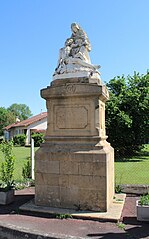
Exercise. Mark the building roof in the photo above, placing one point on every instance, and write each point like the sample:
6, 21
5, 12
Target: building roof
28, 121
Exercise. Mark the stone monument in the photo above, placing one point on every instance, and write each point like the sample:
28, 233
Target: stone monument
75, 165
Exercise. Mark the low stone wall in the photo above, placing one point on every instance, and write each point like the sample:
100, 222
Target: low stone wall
135, 189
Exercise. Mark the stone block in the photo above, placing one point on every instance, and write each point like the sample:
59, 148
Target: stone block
69, 197
47, 179
85, 168
41, 194
92, 200
68, 167
41, 166
64, 180
92, 168
53, 167
47, 166
89, 182
83, 156
99, 168
47, 196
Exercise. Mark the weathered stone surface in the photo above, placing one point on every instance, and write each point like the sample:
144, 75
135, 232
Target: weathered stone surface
75, 164
48, 166
84, 182
69, 167
65, 115
74, 60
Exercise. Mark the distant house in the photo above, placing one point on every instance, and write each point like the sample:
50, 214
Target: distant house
37, 123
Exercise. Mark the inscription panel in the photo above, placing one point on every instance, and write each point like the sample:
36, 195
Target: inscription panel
71, 117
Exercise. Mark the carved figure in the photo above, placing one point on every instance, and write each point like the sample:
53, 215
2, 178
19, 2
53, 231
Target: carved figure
74, 56
64, 54
81, 45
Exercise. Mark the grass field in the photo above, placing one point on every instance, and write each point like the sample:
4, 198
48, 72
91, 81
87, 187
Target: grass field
21, 156
133, 170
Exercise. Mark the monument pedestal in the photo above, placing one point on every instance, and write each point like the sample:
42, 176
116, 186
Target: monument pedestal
75, 166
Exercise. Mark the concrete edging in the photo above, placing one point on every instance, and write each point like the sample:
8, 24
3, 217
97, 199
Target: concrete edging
15, 232
137, 189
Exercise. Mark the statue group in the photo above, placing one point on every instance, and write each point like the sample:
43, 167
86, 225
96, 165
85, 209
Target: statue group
74, 56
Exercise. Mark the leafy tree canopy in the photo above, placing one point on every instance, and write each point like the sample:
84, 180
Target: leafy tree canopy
127, 112
21, 111
6, 118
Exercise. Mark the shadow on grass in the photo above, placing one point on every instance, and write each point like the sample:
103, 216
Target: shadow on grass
144, 152
133, 156
138, 158
126, 160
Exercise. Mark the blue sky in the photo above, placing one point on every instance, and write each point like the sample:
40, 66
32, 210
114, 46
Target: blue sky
33, 31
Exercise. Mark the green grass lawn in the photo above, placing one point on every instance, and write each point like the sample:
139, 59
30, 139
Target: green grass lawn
133, 170
21, 156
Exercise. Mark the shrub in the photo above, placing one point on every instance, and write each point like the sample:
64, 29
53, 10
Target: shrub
26, 170
144, 200
19, 139
38, 138
7, 167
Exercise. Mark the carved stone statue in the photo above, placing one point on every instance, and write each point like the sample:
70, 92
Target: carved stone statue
74, 56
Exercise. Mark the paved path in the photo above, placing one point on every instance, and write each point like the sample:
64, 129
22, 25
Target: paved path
16, 226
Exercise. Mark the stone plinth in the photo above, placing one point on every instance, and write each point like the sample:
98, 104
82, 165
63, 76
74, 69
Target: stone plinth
75, 165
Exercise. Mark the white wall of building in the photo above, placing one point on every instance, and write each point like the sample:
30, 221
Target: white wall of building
40, 125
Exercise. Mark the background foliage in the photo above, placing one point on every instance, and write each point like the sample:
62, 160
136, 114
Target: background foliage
21, 111
19, 139
127, 113
38, 138
8, 116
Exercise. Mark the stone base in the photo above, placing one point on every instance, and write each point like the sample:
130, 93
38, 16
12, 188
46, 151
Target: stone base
75, 166
83, 77
113, 214
80, 180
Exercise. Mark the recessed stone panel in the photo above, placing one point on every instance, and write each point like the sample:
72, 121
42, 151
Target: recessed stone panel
71, 117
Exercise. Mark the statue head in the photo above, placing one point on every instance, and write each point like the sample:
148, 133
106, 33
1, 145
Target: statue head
75, 27
68, 41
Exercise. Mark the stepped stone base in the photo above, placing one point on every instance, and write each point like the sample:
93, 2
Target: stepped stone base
77, 180
113, 214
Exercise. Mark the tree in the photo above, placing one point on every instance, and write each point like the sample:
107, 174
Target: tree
127, 112
6, 118
21, 111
